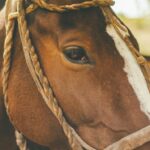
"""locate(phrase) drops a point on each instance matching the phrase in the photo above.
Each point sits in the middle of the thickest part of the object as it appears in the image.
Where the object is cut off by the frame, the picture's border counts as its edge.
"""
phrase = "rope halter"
(18, 12)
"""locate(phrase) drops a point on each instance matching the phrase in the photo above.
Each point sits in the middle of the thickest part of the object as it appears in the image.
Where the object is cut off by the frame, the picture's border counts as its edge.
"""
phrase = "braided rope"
(7, 57)
(6, 70)
(21, 142)
(72, 7)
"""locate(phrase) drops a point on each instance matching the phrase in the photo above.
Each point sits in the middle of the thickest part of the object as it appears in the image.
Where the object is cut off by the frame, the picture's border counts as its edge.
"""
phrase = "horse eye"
(76, 54)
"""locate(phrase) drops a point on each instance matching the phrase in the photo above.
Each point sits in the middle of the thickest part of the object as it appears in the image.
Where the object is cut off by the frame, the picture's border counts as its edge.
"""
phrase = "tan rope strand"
(130, 142)
(72, 7)
(6, 68)
(6, 58)
(10, 23)
(57, 8)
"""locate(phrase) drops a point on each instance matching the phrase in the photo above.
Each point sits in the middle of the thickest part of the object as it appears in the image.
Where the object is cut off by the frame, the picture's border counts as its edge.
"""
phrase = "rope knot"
(13, 15)
(141, 60)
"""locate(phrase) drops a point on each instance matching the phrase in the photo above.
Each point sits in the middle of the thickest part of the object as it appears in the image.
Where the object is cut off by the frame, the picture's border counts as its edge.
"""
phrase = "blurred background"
(136, 15)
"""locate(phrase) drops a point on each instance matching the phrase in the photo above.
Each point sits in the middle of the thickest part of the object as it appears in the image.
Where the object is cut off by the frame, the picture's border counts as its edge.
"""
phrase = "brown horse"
(94, 76)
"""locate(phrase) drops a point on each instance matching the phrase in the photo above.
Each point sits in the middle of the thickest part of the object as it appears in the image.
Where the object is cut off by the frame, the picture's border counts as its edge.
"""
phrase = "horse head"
(94, 76)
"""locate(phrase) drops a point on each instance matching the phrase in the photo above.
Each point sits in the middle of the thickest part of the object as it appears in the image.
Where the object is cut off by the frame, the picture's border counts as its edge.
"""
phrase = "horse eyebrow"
(74, 18)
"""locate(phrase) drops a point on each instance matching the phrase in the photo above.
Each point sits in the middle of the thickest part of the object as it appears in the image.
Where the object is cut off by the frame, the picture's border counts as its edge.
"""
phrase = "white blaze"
(134, 73)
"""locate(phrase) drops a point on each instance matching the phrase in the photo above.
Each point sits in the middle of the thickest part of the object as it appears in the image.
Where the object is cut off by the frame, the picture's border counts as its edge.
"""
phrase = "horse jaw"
(134, 73)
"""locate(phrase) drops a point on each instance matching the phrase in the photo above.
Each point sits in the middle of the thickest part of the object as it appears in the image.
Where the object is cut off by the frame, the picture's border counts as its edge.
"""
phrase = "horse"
(95, 78)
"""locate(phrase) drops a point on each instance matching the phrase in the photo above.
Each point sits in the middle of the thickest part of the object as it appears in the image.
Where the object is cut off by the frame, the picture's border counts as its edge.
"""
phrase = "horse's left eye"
(76, 54)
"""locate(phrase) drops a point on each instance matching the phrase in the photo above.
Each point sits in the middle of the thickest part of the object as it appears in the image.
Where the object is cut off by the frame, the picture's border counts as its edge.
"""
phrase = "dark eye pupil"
(76, 54)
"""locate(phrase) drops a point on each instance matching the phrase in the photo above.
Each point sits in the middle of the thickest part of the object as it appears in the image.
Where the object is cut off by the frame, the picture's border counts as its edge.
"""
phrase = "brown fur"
(97, 99)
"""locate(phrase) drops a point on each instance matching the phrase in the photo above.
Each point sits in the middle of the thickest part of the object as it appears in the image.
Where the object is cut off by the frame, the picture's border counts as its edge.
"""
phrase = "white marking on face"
(134, 73)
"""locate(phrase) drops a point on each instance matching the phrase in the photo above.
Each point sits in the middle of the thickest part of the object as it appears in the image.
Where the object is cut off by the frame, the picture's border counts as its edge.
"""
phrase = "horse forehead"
(84, 19)
(89, 21)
